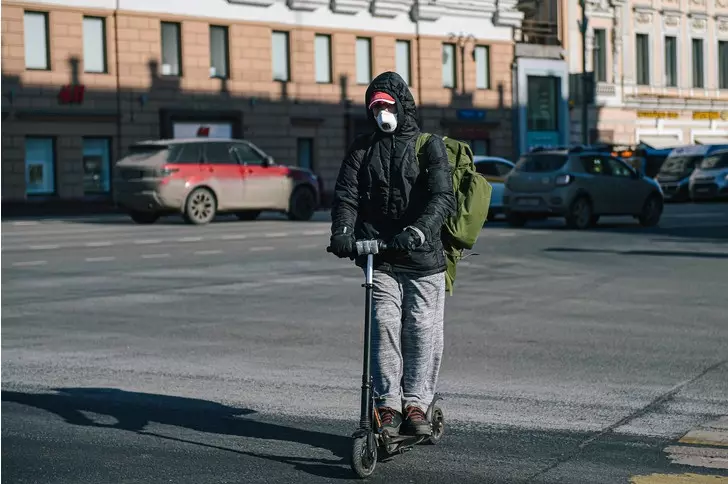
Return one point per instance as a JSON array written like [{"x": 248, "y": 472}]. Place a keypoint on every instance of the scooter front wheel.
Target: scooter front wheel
[
  {"x": 363, "y": 458},
  {"x": 438, "y": 426}
]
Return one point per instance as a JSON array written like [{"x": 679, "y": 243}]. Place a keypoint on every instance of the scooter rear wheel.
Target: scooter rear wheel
[
  {"x": 438, "y": 426},
  {"x": 363, "y": 459}
]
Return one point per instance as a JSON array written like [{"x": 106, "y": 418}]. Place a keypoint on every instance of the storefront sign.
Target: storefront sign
[
  {"x": 710, "y": 115},
  {"x": 71, "y": 94},
  {"x": 658, "y": 114},
  {"x": 471, "y": 114}
]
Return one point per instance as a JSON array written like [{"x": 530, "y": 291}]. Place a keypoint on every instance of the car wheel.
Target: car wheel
[
  {"x": 651, "y": 211},
  {"x": 580, "y": 214},
  {"x": 144, "y": 217},
  {"x": 516, "y": 219},
  {"x": 248, "y": 214},
  {"x": 302, "y": 205},
  {"x": 201, "y": 207}
]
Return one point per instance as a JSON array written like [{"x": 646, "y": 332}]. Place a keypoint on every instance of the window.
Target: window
[
  {"x": 322, "y": 53},
  {"x": 96, "y": 165},
  {"x": 40, "y": 166},
  {"x": 305, "y": 153},
  {"x": 698, "y": 66},
  {"x": 280, "y": 56},
  {"x": 595, "y": 165},
  {"x": 189, "y": 153},
  {"x": 599, "y": 58},
  {"x": 542, "y": 110},
  {"x": 671, "y": 61},
  {"x": 94, "y": 45},
  {"x": 643, "y": 59},
  {"x": 482, "y": 67},
  {"x": 219, "y": 52},
  {"x": 402, "y": 60},
  {"x": 363, "y": 60},
  {"x": 35, "y": 31},
  {"x": 171, "y": 49},
  {"x": 480, "y": 147},
  {"x": 617, "y": 168},
  {"x": 247, "y": 155},
  {"x": 723, "y": 64},
  {"x": 219, "y": 154},
  {"x": 448, "y": 65}
]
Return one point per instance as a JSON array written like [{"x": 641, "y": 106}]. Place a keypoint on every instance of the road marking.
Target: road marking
[
  {"x": 276, "y": 234},
  {"x": 678, "y": 479},
  {"x": 25, "y": 223},
  {"x": 104, "y": 243},
  {"x": 99, "y": 259},
  {"x": 30, "y": 263},
  {"x": 44, "y": 247},
  {"x": 258, "y": 249},
  {"x": 234, "y": 237},
  {"x": 154, "y": 256},
  {"x": 147, "y": 241},
  {"x": 190, "y": 239},
  {"x": 315, "y": 232},
  {"x": 208, "y": 252}
]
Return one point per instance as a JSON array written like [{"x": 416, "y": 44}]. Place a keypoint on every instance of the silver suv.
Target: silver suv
[{"x": 580, "y": 185}]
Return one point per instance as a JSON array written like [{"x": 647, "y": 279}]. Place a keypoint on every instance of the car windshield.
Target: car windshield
[
  {"x": 540, "y": 162},
  {"x": 678, "y": 165},
  {"x": 716, "y": 161}
]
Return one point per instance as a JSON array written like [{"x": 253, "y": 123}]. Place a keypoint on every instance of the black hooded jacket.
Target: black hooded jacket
[{"x": 381, "y": 188}]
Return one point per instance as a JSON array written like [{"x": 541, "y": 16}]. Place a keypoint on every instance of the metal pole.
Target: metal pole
[{"x": 584, "y": 80}]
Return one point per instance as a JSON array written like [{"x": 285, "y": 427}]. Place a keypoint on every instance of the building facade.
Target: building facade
[
  {"x": 660, "y": 69},
  {"x": 83, "y": 79}
]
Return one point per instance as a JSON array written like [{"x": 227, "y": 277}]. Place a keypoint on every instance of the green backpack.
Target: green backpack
[{"x": 472, "y": 198}]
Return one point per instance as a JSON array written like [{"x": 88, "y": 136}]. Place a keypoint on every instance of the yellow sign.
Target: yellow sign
[
  {"x": 710, "y": 115},
  {"x": 658, "y": 114}
]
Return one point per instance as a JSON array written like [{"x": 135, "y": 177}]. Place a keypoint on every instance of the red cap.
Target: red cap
[{"x": 381, "y": 97}]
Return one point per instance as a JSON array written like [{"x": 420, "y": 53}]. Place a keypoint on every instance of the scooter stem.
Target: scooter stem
[{"x": 366, "y": 383}]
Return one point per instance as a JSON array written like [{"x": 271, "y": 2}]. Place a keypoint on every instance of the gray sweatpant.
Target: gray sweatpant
[{"x": 408, "y": 311}]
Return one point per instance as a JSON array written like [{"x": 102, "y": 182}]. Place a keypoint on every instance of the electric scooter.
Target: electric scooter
[{"x": 370, "y": 440}]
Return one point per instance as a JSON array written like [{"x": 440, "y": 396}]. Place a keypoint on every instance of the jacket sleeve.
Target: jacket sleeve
[
  {"x": 345, "y": 206},
  {"x": 441, "y": 203}
]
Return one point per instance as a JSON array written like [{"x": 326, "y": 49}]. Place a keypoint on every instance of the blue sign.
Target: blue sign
[
  {"x": 542, "y": 139},
  {"x": 471, "y": 114}
]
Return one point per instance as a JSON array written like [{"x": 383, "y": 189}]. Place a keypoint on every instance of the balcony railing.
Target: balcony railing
[{"x": 540, "y": 32}]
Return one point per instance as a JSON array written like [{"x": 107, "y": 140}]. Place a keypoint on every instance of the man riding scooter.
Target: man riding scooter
[{"x": 382, "y": 192}]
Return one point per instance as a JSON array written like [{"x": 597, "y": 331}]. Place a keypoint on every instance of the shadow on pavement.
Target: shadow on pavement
[
  {"x": 644, "y": 252},
  {"x": 134, "y": 411},
  {"x": 123, "y": 219}
]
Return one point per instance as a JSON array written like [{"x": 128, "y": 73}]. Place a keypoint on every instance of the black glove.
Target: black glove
[
  {"x": 406, "y": 240},
  {"x": 343, "y": 244}
]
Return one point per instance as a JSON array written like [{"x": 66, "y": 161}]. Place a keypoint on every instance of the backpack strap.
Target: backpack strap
[{"x": 420, "y": 143}]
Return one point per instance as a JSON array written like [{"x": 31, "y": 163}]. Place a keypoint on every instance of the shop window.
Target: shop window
[
  {"x": 480, "y": 147},
  {"x": 542, "y": 111},
  {"x": 304, "y": 150},
  {"x": 40, "y": 166},
  {"x": 35, "y": 30},
  {"x": 94, "y": 45},
  {"x": 363, "y": 60},
  {"x": 281, "y": 63},
  {"x": 322, "y": 58},
  {"x": 96, "y": 165},
  {"x": 219, "y": 59},
  {"x": 402, "y": 60},
  {"x": 171, "y": 49}
]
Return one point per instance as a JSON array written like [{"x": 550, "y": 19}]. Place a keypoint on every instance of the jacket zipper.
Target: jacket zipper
[{"x": 391, "y": 159}]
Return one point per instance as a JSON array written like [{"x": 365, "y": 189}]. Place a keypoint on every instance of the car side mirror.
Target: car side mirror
[{"x": 268, "y": 161}]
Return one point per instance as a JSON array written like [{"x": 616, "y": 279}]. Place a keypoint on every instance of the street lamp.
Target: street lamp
[{"x": 462, "y": 40}]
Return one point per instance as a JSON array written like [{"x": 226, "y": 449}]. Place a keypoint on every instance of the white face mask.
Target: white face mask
[{"x": 387, "y": 121}]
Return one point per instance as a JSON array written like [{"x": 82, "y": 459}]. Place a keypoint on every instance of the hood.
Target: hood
[{"x": 393, "y": 84}]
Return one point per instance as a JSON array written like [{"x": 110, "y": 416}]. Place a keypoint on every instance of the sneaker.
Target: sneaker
[
  {"x": 391, "y": 420},
  {"x": 416, "y": 421}
]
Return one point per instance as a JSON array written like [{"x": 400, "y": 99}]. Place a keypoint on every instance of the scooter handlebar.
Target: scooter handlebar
[{"x": 366, "y": 247}]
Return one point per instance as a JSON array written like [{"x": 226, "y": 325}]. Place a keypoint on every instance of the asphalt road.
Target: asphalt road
[{"x": 231, "y": 353}]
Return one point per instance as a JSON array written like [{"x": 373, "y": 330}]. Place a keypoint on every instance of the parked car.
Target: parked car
[
  {"x": 580, "y": 185},
  {"x": 710, "y": 179},
  {"x": 200, "y": 178},
  {"x": 495, "y": 170},
  {"x": 644, "y": 158},
  {"x": 674, "y": 175}
]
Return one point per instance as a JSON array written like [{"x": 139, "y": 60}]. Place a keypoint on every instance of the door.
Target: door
[
  {"x": 596, "y": 183},
  {"x": 627, "y": 191},
  {"x": 223, "y": 172},
  {"x": 265, "y": 186}
]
